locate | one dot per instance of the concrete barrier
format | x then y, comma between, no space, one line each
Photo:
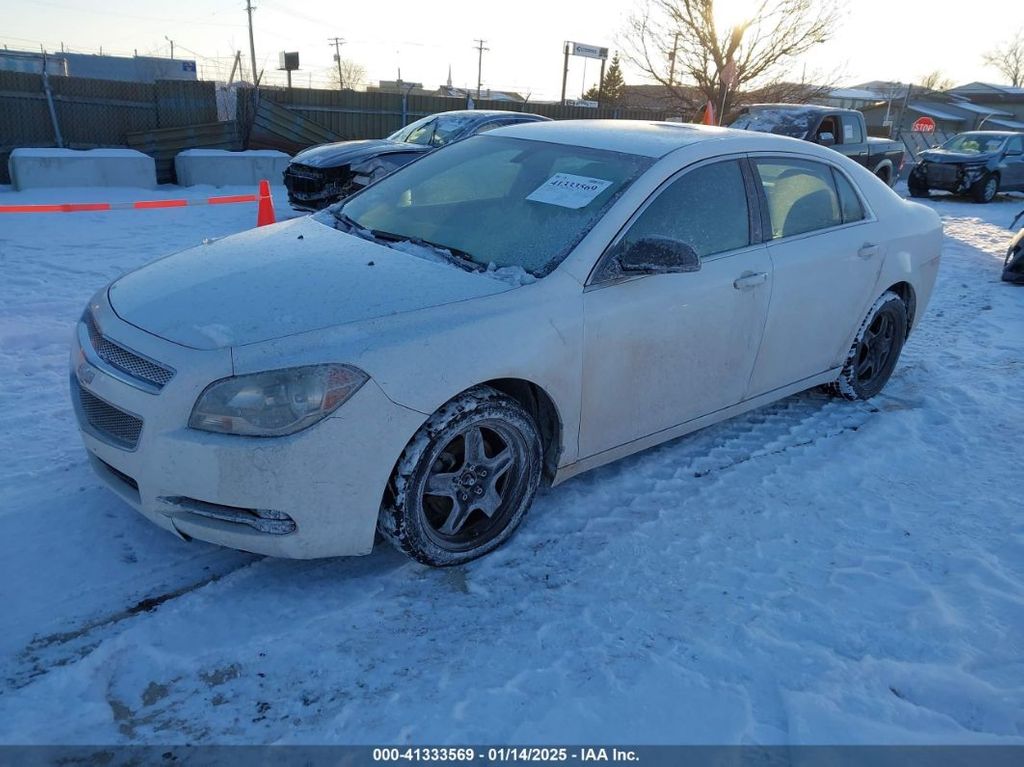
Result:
40,168
219,167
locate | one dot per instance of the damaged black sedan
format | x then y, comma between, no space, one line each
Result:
979,164
324,174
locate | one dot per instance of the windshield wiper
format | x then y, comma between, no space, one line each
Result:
460,258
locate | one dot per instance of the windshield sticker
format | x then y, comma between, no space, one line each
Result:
569,191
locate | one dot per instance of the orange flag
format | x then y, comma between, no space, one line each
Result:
709,114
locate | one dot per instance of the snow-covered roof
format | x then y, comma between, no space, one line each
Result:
1003,123
977,87
978,109
854,94
938,114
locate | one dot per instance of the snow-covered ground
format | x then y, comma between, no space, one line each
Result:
813,572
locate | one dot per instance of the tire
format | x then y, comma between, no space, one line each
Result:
447,507
985,189
875,350
916,187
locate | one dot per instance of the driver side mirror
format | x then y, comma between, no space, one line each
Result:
1014,152
826,139
658,255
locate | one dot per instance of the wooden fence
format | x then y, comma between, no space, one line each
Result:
90,113
358,115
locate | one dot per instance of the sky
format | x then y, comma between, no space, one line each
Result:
875,39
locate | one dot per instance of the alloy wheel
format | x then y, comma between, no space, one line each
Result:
474,484
875,348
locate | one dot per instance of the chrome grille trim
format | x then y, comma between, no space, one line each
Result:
140,368
105,421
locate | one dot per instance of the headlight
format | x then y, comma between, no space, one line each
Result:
276,402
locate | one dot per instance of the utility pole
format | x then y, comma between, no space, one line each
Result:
252,45
337,42
172,46
480,66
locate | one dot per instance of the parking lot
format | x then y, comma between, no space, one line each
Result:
814,571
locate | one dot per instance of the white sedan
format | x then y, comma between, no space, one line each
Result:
513,309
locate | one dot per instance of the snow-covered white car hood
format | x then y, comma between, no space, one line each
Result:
291,278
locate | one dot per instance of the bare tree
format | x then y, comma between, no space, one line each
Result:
677,44
936,81
1009,59
352,74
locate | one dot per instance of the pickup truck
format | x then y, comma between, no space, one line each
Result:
841,129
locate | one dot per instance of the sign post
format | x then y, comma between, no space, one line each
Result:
587,51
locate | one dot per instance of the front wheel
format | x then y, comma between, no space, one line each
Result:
875,350
465,481
916,187
985,189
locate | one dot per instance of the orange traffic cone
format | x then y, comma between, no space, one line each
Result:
709,114
264,205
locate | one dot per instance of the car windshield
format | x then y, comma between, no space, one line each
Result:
782,122
433,130
495,202
975,143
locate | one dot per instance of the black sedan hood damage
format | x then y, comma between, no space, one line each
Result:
348,152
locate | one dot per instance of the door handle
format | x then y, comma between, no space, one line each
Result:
867,250
750,280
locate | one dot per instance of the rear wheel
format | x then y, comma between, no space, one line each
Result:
986,188
465,481
875,350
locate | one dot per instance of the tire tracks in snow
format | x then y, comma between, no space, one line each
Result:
50,651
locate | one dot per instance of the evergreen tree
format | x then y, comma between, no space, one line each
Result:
613,85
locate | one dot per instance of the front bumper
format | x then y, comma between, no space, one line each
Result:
313,189
950,177
316,493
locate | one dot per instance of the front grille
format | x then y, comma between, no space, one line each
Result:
942,173
108,422
302,180
125,360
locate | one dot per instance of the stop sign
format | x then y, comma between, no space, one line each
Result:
923,125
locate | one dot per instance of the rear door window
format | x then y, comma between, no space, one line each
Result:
801,196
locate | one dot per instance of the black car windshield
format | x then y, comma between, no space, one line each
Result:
782,122
496,201
976,143
434,130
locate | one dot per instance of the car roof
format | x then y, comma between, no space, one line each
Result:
643,137
484,113
1003,133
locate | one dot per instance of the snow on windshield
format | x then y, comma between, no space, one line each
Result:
783,122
